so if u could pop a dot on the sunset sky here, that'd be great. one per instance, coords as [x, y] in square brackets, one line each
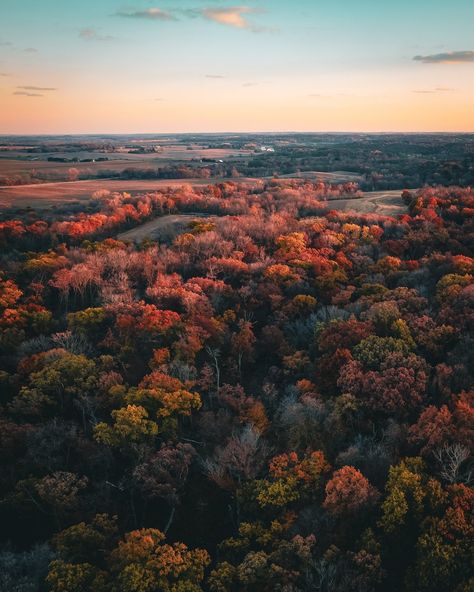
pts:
[102, 66]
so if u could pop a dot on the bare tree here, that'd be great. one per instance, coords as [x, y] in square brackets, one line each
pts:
[240, 459]
[451, 458]
[215, 353]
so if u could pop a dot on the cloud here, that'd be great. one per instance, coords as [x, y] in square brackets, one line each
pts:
[215, 76]
[30, 50]
[38, 88]
[450, 57]
[4, 74]
[232, 16]
[152, 14]
[5, 43]
[431, 91]
[24, 93]
[249, 84]
[91, 34]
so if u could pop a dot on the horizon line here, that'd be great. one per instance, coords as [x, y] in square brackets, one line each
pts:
[282, 132]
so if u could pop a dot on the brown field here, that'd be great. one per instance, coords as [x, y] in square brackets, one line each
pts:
[333, 177]
[12, 164]
[165, 227]
[386, 203]
[46, 195]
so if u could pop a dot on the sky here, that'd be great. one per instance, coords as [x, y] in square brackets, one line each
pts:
[103, 66]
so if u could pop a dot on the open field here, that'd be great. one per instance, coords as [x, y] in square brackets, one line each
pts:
[163, 227]
[20, 168]
[386, 203]
[15, 162]
[46, 195]
[333, 177]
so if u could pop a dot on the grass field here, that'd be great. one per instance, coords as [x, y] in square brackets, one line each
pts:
[386, 203]
[164, 227]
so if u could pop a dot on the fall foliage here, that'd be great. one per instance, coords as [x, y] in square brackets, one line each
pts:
[279, 397]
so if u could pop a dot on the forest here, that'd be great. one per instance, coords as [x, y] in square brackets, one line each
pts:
[277, 398]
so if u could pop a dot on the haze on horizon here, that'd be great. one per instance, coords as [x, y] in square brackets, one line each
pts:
[213, 66]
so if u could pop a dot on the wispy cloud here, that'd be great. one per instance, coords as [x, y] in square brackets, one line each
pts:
[249, 84]
[432, 91]
[230, 16]
[91, 34]
[233, 16]
[215, 76]
[5, 43]
[37, 88]
[152, 14]
[450, 57]
[24, 93]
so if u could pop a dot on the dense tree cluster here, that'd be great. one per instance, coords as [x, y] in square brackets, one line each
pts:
[278, 398]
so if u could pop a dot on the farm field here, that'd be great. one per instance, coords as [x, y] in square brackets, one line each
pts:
[46, 195]
[19, 168]
[330, 177]
[11, 160]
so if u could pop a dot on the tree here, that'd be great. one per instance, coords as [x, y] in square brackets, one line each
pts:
[164, 475]
[291, 478]
[60, 380]
[240, 459]
[25, 571]
[81, 577]
[242, 343]
[409, 492]
[131, 425]
[143, 562]
[349, 492]
[444, 548]
[87, 542]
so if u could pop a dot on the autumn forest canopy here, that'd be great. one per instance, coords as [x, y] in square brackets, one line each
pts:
[239, 385]
[236, 296]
